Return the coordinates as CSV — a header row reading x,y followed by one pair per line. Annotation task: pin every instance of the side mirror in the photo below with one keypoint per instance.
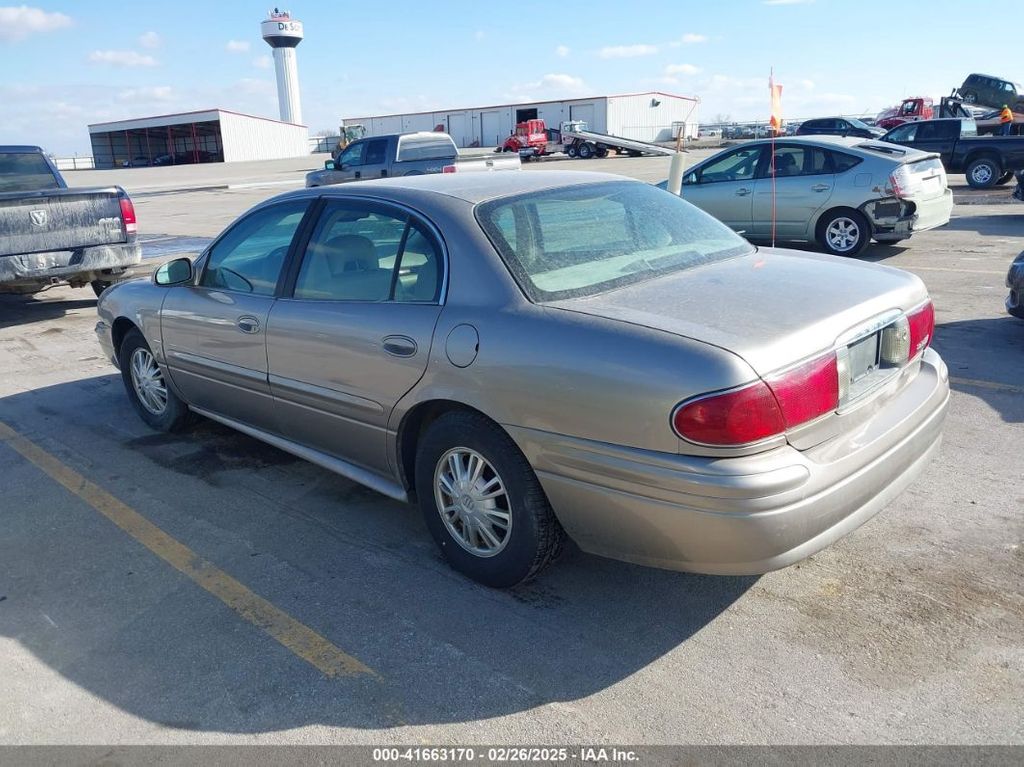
x,y
176,272
329,165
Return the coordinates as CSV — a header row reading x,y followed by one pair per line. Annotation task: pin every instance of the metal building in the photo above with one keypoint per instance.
x,y
651,116
212,135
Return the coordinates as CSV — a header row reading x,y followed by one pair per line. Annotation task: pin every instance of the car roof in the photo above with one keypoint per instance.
x,y
19,148
469,187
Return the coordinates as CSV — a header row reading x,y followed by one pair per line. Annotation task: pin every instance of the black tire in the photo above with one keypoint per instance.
x,y
175,414
98,286
1017,311
983,173
853,223
534,537
1006,178
586,150
970,97
601,152
572,151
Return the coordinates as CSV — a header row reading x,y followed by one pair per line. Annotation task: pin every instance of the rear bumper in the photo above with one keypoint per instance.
x,y
927,214
735,516
65,265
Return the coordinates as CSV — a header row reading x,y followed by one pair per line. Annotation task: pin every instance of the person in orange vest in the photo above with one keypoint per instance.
x,y
1006,120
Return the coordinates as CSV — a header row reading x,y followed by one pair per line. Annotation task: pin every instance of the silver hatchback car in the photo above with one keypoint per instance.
x,y
533,354
838,192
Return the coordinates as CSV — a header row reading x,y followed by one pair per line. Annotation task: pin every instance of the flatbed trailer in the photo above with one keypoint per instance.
x,y
586,144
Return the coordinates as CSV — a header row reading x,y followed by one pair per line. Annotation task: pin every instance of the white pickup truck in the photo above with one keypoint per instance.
x,y
403,154
52,235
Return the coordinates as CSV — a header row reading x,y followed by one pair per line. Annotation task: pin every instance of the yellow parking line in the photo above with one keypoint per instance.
x,y
297,637
987,385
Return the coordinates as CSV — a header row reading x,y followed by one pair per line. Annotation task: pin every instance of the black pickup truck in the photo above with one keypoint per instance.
x,y
985,160
52,235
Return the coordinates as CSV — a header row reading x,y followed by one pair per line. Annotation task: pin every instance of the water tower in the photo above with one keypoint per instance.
x,y
283,34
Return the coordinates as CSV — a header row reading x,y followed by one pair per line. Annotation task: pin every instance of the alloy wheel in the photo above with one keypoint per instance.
x,y
473,502
148,381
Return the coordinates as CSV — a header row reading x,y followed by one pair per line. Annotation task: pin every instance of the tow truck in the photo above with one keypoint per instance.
x,y
532,138
923,108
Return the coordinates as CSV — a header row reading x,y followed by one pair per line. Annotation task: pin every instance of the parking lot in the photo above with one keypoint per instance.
x,y
207,588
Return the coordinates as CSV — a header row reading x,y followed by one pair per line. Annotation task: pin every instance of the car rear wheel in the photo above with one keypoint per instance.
x,y
148,391
844,233
483,503
983,173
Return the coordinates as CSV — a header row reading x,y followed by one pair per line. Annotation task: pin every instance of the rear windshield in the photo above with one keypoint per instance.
x,y
427,148
581,240
25,172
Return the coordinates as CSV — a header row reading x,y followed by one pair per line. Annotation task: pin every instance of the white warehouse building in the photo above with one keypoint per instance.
x,y
210,135
651,116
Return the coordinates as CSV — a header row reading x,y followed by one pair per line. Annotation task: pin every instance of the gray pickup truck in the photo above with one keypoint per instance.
x,y
403,154
52,235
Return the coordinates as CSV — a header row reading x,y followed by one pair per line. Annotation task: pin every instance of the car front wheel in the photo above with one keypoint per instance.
x,y
483,503
148,391
844,233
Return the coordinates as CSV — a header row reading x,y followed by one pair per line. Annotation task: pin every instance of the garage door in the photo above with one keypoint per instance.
x,y
490,129
583,112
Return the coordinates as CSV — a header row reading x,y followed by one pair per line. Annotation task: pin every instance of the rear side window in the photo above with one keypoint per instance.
x,y
842,162
440,147
25,172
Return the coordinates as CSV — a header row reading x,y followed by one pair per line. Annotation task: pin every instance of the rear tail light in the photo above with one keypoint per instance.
x,y
131,226
448,169
763,409
922,328
899,182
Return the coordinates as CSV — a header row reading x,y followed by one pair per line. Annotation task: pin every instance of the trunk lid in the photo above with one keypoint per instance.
x,y
59,220
773,307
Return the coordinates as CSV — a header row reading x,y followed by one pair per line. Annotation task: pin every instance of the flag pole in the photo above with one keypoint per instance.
x,y
771,93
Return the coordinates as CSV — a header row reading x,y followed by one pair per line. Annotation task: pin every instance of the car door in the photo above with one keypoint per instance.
x,y
352,334
375,163
349,165
724,186
213,331
800,181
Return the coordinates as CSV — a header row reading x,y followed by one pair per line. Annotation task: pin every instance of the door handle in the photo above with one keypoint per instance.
x,y
820,188
400,346
359,174
742,192
248,324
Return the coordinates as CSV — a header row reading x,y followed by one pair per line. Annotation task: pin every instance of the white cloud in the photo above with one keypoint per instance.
x,y
479,35
253,87
562,51
263,62
149,93
681,69
18,22
627,51
150,40
690,38
237,46
128,59
548,86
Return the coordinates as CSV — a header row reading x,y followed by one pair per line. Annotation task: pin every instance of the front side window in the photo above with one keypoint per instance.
x,y
249,257
582,240
354,154
904,132
738,165
364,253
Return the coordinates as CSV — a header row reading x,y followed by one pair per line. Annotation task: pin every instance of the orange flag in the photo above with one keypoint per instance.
x,y
776,92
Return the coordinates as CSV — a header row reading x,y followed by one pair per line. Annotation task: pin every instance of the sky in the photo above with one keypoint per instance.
x,y
70,63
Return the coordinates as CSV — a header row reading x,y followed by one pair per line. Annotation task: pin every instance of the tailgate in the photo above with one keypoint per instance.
x,y
61,219
923,179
